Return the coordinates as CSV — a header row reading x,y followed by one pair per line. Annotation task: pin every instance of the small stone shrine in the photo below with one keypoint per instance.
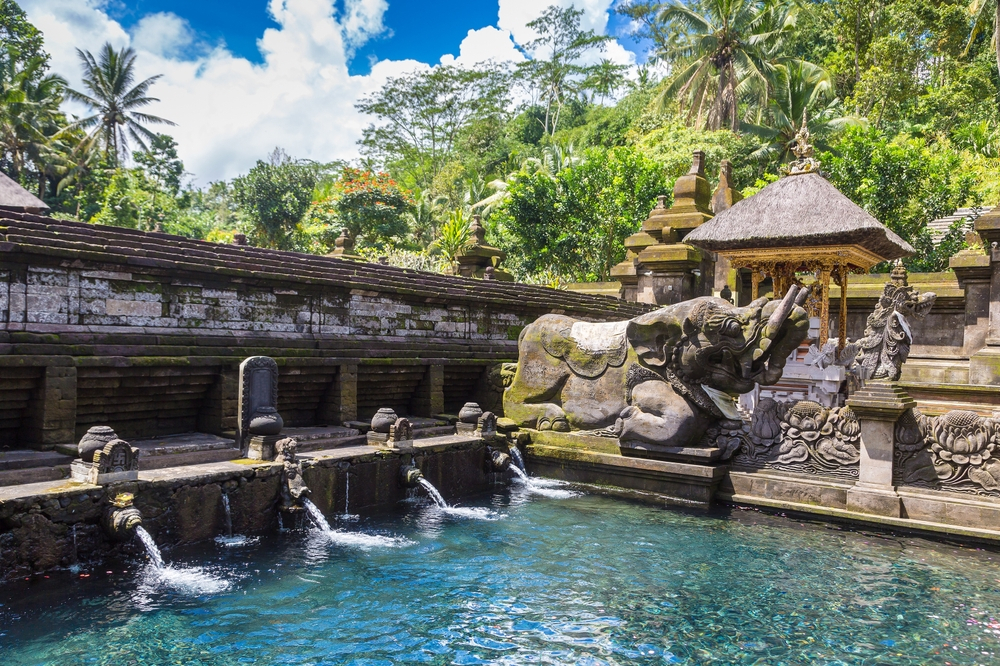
x,y
799,227
660,266
477,257
343,247
104,458
259,422
468,418
389,431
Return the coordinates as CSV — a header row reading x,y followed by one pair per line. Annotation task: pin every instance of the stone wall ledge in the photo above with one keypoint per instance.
x,y
854,517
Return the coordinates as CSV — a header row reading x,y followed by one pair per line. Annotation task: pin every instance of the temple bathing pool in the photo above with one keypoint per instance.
x,y
588,579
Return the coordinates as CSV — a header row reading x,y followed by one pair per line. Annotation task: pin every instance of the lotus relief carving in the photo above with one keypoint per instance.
x,y
954,451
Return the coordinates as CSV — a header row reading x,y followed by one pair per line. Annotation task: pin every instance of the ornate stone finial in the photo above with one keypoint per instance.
x,y
477,230
239,239
383,420
899,274
344,241
697,164
343,246
803,150
94,440
477,258
725,194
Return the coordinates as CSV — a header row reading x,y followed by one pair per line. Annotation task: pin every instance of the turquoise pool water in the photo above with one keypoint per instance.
x,y
582,580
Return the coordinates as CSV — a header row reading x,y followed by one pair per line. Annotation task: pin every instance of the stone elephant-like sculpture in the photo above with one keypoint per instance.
x,y
661,378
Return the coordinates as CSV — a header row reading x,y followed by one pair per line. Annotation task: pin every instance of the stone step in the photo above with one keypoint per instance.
x,y
185,449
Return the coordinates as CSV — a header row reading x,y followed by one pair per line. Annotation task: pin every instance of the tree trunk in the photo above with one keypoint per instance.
x,y
41,185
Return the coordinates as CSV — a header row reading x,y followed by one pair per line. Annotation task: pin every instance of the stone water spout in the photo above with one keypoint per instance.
x,y
121,518
410,476
497,460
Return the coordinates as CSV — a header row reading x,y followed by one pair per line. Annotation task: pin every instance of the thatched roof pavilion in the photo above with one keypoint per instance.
x,y
794,212
16,198
801,224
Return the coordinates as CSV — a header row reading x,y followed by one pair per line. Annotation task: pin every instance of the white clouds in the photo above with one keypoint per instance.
x,y
487,43
164,34
231,112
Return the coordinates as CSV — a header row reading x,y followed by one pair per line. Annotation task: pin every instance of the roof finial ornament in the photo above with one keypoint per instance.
x,y
803,150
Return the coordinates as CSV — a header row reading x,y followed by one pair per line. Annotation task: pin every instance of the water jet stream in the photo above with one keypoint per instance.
x,y
477,513
515,453
351,539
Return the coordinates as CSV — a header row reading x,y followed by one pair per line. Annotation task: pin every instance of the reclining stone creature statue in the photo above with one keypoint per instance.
x,y
661,378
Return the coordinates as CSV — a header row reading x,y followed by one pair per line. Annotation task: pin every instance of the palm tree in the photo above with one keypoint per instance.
x,y
605,78
801,90
115,99
423,215
29,111
729,52
980,11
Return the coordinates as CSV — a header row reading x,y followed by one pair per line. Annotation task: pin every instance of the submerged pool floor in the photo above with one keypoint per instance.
x,y
588,579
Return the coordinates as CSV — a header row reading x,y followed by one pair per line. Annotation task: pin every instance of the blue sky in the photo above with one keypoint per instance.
x,y
415,30
239,81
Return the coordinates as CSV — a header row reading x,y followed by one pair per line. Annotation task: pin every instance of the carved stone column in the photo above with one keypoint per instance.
x,y
878,406
984,365
973,270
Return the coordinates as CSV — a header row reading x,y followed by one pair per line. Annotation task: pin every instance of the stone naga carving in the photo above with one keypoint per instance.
x,y
294,488
958,451
661,378
886,343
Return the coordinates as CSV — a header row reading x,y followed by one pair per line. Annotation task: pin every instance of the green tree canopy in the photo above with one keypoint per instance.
x,y
274,196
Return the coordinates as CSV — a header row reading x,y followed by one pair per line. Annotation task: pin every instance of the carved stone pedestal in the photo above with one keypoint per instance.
x,y
261,447
877,406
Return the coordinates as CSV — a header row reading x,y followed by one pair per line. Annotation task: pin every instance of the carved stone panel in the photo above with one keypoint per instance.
x,y
958,451
802,437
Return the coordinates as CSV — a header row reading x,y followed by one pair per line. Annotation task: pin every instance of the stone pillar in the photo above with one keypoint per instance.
x,y
341,403
218,414
428,399
984,365
723,198
52,415
878,406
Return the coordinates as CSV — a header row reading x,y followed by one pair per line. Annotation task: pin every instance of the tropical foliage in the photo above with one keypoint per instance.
x,y
563,154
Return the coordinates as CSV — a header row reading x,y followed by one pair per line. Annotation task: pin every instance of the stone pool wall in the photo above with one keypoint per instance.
x,y
144,332
57,524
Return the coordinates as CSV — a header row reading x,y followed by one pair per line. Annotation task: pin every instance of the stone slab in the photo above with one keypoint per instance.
x,y
26,459
677,480
10,477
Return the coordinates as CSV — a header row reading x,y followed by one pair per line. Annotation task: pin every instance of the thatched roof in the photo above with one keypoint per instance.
x,y
15,197
797,211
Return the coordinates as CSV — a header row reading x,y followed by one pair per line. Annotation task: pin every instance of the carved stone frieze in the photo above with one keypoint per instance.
x,y
958,451
802,437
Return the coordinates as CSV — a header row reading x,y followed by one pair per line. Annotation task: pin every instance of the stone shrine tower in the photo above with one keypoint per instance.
x,y
659,267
